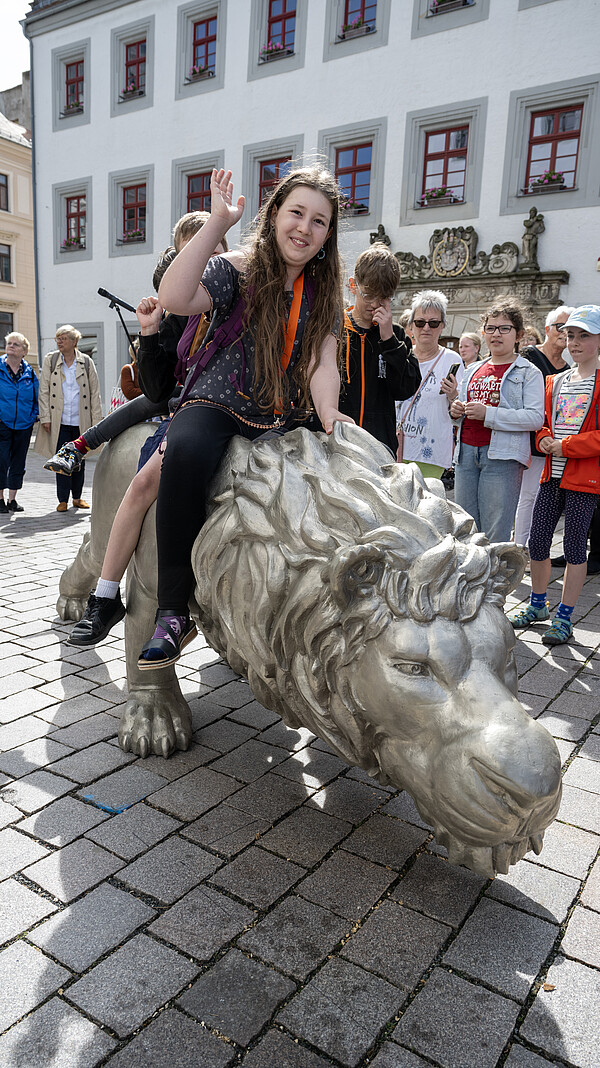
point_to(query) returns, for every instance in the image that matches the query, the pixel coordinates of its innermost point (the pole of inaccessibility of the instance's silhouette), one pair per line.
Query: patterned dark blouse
(221, 280)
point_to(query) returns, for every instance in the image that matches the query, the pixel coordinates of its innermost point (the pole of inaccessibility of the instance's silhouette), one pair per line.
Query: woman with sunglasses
(500, 401)
(424, 424)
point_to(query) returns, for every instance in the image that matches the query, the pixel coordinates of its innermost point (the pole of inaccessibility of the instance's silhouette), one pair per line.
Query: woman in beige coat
(69, 402)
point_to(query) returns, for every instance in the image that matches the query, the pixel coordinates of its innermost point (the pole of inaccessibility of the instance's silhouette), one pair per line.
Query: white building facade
(134, 101)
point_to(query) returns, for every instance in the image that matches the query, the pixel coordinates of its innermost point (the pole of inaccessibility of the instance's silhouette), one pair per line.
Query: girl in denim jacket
(501, 400)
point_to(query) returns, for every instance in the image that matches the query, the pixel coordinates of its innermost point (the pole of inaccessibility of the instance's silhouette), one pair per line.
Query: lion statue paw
(155, 721)
(71, 607)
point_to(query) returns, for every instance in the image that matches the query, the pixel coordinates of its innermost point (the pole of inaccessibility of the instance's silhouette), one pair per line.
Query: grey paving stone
(237, 996)
(502, 947)
(348, 800)
(397, 944)
(17, 851)
(78, 709)
(392, 1056)
(565, 749)
(62, 821)
(92, 926)
(14, 735)
(8, 813)
(125, 988)
(73, 869)
(567, 849)
(277, 1049)
(20, 909)
(360, 775)
(270, 797)
(559, 1019)
(537, 890)
(441, 890)
(591, 891)
(96, 728)
(33, 755)
(11, 664)
(122, 788)
(580, 808)
(590, 749)
(27, 977)
(295, 936)
(519, 1057)
(457, 1024)
(23, 703)
(403, 807)
(548, 679)
(250, 760)
(560, 726)
(91, 763)
(133, 831)
(65, 689)
(175, 1041)
(257, 877)
(233, 695)
(218, 675)
(169, 870)
(575, 704)
(306, 835)
(16, 683)
(346, 884)
(54, 1036)
(341, 1011)
(254, 715)
(584, 774)
(385, 841)
(180, 763)
(191, 795)
(224, 735)
(226, 830)
(582, 937)
(289, 738)
(202, 922)
(35, 790)
(311, 767)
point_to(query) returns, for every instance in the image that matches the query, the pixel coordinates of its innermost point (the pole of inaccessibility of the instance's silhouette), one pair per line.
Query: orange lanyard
(362, 336)
(292, 323)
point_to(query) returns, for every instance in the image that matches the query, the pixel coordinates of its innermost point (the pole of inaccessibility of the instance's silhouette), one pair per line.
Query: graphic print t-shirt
(571, 408)
(485, 388)
(427, 426)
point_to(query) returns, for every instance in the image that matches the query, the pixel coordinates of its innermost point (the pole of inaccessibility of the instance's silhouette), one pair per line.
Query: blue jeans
(488, 490)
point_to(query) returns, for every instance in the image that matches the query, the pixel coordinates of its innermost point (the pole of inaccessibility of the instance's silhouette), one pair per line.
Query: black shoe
(3, 507)
(101, 614)
(558, 561)
(593, 566)
(12, 506)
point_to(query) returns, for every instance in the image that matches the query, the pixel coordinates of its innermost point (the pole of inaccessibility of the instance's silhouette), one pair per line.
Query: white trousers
(529, 490)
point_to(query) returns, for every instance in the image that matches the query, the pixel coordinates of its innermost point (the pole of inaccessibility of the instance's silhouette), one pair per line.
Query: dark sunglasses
(433, 323)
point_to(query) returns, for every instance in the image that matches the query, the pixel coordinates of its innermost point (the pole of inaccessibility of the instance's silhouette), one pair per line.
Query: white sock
(106, 588)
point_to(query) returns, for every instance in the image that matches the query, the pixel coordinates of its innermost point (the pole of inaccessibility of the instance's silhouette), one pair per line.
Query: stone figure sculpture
(534, 225)
(361, 604)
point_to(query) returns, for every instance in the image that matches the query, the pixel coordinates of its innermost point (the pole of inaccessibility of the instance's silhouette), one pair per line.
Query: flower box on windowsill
(275, 53)
(73, 246)
(451, 5)
(355, 209)
(199, 76)
(134, 238)
(545, 187)
(130, 94)
(356, 31)
(71, 109)
(439, 202)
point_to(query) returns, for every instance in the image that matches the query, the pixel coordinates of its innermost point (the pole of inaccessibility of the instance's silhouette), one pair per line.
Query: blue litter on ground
(107, 808)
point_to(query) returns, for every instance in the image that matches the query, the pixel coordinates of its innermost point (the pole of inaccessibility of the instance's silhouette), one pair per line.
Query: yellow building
(17, 277)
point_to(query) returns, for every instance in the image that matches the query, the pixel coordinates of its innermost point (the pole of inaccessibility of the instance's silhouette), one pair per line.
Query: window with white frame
(3, 192)
(130, 195)
(353, 173)
(277, 38)
(132, 58)
(551, 147)
(200, 47)
(71, 210)
(443, 161)
(6, 326)
(357, 155)
(355, 26)
(438, 16)
(5, 263)
(70, 85)
(270, 173)
(190, 183)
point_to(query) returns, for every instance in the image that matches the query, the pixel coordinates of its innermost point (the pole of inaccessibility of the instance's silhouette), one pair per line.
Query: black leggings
(196, 440)
(135, 411)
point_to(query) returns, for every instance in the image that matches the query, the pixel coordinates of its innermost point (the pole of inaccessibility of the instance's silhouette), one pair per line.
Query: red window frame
(443, 157)
(135, 65)
(5, 264)
(199, 199)
(360, 9)
(134, 209)
(281, 23)
(204, 43)
(76, 217)
(74, 77)
(554, 140)
(266, 181)
(351, 178)
(3, 192)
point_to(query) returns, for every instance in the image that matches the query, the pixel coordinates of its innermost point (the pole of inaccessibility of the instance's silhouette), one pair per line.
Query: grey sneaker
(66, 461)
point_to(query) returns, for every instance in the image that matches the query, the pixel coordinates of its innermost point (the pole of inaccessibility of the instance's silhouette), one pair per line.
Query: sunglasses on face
(433, 323)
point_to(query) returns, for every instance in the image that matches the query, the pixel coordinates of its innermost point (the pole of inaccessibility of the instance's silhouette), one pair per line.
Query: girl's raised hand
(221, 199)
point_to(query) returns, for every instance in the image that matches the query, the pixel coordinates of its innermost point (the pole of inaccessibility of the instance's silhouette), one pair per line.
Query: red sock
(81, 445)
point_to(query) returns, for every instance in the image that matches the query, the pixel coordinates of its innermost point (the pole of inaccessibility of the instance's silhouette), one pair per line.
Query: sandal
(171, 650)
(559, 633)
(524, 617)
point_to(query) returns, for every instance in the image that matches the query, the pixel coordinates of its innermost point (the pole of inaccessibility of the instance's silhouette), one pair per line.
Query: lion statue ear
(354, 571)
(512, 561)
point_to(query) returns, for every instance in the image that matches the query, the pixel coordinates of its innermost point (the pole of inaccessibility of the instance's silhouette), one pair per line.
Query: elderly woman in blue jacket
(18, 413)
(500, 401)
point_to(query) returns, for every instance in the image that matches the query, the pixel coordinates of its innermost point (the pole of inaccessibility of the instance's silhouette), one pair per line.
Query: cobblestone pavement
(255, 901)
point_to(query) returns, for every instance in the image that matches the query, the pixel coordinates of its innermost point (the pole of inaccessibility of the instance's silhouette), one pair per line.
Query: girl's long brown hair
(263, 287)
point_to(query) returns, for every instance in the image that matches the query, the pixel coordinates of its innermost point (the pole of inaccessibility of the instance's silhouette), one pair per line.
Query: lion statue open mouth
(360, 604)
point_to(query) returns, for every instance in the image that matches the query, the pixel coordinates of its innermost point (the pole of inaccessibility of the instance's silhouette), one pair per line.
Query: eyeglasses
(502, 329)
(367, 297)
(433, 323)
(559, 326)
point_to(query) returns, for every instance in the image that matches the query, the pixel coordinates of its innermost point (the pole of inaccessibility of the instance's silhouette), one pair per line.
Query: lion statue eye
(412, 668)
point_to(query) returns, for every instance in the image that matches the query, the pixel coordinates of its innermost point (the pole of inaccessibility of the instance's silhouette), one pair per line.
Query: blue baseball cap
(586, 318)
